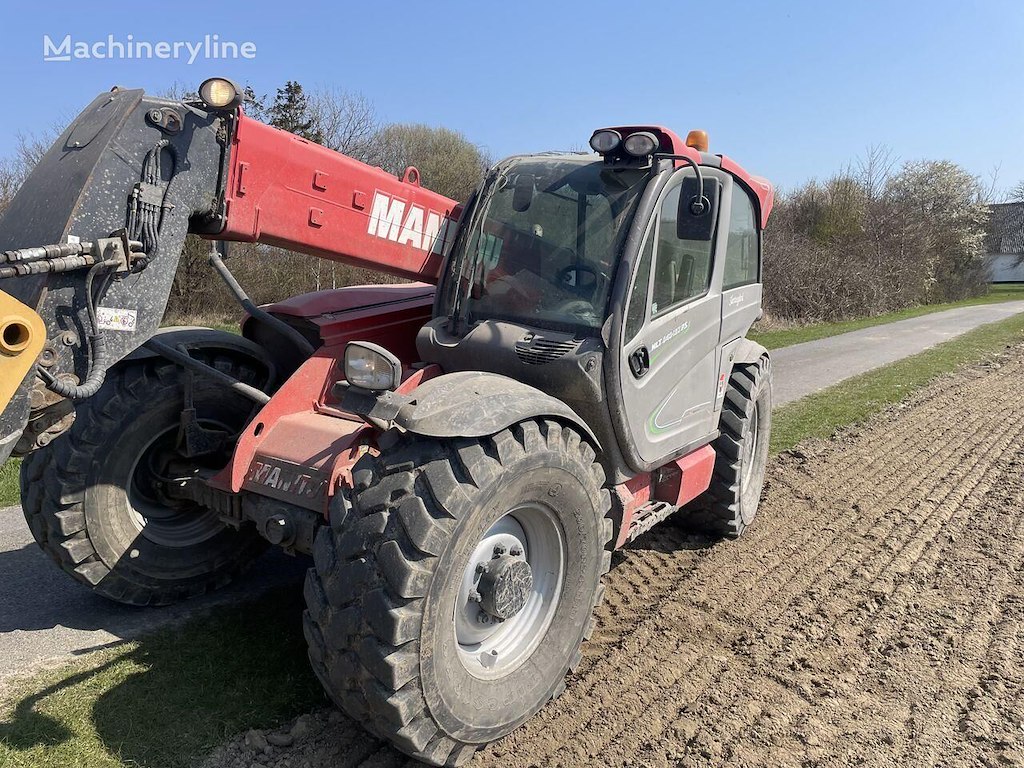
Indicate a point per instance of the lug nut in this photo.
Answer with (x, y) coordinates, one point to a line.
(483, 618)
(516, 550)
(481, 567)
(474, 596)
(499, 550)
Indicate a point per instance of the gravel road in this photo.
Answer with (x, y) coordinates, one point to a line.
(44, 615)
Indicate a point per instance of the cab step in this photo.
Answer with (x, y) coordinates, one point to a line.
(648, 516)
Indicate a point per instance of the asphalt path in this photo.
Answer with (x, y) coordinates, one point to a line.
(45, 616)
(803, 369)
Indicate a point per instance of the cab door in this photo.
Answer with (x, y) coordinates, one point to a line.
(741, 266)
(670, 333)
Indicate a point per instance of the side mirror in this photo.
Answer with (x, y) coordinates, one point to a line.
(523, 192)
(696, 216)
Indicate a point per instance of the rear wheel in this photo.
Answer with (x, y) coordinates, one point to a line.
(741, 449)
(96, 497)
(452, 590)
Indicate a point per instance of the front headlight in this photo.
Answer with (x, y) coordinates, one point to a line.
(370, 366)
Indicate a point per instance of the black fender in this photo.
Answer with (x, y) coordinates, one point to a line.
(478, 404)
(195, 337)
(747, 351)
(741, 351)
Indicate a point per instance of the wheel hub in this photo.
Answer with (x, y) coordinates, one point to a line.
(505, 584)
(158, 514)
(509, 591)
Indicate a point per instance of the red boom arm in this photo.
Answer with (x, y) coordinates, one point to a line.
(286, 191)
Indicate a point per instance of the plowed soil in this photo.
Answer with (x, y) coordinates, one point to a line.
(873, 615)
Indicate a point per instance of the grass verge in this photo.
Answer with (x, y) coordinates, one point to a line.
(9, 491)
(785, 337)
(164, 700)
(168, 699)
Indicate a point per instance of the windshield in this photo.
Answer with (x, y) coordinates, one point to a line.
(543, 245)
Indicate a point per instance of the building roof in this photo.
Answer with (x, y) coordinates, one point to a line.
(1005, 228)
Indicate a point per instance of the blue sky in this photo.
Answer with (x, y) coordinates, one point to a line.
(791, 90)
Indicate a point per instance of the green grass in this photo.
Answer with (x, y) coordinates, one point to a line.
(164, 700)
(9, 493)
(784, 337)
(168, 699)
(856, 399)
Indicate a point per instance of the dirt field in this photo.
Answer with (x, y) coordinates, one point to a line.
(873, 616)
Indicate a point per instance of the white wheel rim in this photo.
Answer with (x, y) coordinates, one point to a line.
(491, 649)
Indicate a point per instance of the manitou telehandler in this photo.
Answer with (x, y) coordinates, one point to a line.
(460, 462)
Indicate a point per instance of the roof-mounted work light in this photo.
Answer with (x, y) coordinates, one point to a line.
(219, 93)
(605, 141)
(641, 144)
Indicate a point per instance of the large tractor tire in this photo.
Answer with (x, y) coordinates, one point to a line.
(453, 588)
(730, 503)
(94, 497)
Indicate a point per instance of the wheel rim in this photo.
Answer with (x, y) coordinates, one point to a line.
(750, 449)
(494, 582)
(159, 518)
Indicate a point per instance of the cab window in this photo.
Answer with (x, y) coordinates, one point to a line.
(637, 312)
(682, 267)
(742, 265)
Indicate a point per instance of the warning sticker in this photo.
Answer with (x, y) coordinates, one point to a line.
(115, 319)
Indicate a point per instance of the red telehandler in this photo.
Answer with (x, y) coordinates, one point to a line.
(460, 455)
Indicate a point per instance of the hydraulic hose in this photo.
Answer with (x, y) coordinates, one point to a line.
(93, 382)
(97, 347)
(151, 201)
(185, 360)
(243, 298)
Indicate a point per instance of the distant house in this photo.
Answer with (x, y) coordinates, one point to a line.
(1004, 243)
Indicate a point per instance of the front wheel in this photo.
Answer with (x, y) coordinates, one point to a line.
(450, 594)
(96, 497)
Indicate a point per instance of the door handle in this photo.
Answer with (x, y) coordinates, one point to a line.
(639, 362)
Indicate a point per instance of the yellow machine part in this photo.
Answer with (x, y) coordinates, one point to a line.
(22, 336)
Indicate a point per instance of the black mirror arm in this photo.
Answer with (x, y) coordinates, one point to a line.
(698, 206)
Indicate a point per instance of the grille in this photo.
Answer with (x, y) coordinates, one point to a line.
(538, 351)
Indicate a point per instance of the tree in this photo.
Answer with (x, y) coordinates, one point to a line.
(873, 239)
(941, 210)
(448, 162)
(10, 181)
(290, 112)
(255, 106)
(28, 152)
(345, 122)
